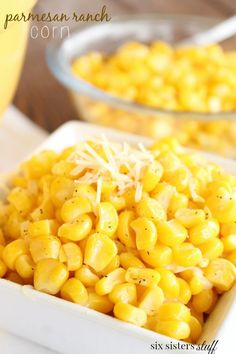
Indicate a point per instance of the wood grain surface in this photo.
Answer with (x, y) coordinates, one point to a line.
(41, 97)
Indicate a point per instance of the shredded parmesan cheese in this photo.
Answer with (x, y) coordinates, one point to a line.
(94, 167)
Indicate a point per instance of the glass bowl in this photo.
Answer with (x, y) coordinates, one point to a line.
(215, 132)
(13, 41)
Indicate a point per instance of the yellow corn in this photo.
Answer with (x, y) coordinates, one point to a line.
(61, 189)
(229, 243)
(159, 256)
(42, 228)
(42, 247)
(130, 313)
(75, 207)
(99, 303)
(150, 208)
(77, 229)
(21, 200)
(3, 269)
(221, 273)
(174, 311)
(107, 219)
(204, 232)
(128, 259)
(184, 291)
(152, 176)
(74, 290)
(99, 251)
(86, 276)
(50, 275)
(195, 329)
(146, 233)
(190, 217)
(13, 250)
(151, 300)
(168, 283)
(173, 328)
(124, 231)
(25, 266)
(112, 265)
(187, 255)
(142, 276)
(71, 255)
(125, 293)
(202, 302)
(106, 284)
(212, 249)
(171, 232)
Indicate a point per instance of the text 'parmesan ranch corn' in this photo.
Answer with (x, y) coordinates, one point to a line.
(143, 234)
(188, 79)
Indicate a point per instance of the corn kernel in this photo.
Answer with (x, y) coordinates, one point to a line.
(73, 290)
(107, 219)
(50, 275)
(204, 232)
(229, 242)
(152, 176)
(3, 269)
(112, 265)
(13, 250)
(61, 189)
(171, 232)
(75, 207)
(184, 291)
(190, 217)
(159, 256)
(168, 283)
(77, 229)
(195, 329)
(124, 231)
(187, 255)
(42, 228)
(71, 255)
(202, 302)
(174, 311)
(99, 251)
(146, 233)
(151, 300)
(212, 249)
(42, 247)
(130, 313)
(150, 208)
(142, 276)
(86, 276)
(221, 273)
(125, 293)
(128, 259)
(99, 303)
(106, 284)
(174, 329)
(25, 266)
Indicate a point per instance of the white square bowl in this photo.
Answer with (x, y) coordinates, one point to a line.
(72, 329)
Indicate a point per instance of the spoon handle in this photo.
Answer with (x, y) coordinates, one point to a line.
(216, 34)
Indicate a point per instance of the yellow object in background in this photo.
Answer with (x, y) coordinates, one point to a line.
(13, 42)
(171, 82)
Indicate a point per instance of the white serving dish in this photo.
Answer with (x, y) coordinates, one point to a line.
(72, 329)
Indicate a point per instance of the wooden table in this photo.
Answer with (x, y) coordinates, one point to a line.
(41, 97)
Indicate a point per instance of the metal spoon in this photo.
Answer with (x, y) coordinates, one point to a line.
(216, 34)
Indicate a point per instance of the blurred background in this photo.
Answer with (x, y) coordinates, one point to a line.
(41, 97)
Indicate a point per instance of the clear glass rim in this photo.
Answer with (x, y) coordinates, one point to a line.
(61, 68)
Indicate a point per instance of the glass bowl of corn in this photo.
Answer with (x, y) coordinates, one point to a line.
(129, 74)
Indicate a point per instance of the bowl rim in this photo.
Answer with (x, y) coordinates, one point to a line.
(61, 69)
